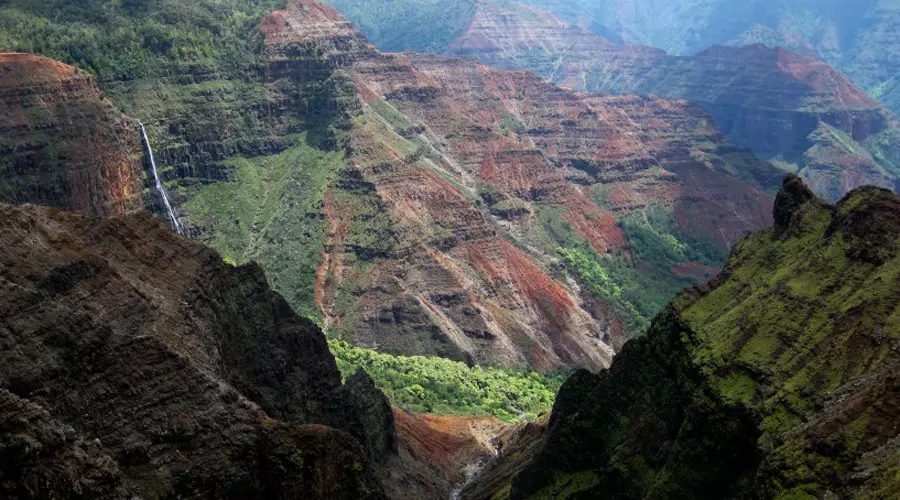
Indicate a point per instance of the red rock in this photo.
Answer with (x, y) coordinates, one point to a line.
(62, 143)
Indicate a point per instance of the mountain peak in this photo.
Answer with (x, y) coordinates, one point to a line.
(793, 194)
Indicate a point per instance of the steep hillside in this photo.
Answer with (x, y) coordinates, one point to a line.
(193, 72)
(463, 183)
(417, 204)
(791, 109)
(62, 143)
(778, 379)
(135, 362)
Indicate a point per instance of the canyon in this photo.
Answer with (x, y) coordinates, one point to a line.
(461, 162)
(778, 378)
(860, 39)
(790, 109)
(323, 206)
(426, 205)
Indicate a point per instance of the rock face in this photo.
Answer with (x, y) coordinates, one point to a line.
(439, 455)
(778, 378)
(135, 362)
(62, 143)
(789, 108)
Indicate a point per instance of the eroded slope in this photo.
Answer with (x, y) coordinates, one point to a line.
(789, 108)
(62, 143)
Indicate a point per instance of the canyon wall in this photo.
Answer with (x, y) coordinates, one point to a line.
(421, 204)
(62, 143)
(788, 108)
(140, 363)
(777, 378)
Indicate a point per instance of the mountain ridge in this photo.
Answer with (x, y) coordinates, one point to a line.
(791, 109)
(410, 215)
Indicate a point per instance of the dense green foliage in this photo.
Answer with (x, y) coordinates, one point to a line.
(438, 385)
(657, 240)
(127, 39)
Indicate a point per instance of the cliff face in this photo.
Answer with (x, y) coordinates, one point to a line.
(789, 108)
(62, 143)
(137, 362)
(778, 378)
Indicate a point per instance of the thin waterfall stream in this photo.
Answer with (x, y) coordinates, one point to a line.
(159, 185)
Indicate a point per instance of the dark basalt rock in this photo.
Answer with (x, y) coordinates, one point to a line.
(134, 362)
(793, 195)
(368, 415)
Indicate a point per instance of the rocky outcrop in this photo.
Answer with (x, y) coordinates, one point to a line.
(790, 108)
(62, 143)
(778, 378)
(135, 362)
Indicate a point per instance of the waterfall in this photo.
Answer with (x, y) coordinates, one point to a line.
(159, 185)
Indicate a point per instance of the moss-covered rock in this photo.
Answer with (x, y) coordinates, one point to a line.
(778, 379)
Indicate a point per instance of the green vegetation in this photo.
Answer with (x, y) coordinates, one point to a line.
(128, 39)
(438, 385)
(511, 124)
(268, 211)
(657, 240)
(639, 286)
(768, 384)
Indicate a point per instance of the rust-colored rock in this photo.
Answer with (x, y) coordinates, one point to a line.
(62, 143)
(439, 455)
(450, 163)
(790, 108)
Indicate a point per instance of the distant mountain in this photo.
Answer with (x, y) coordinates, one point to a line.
(778, 379)
(860, 38)
(791, 109)
(418, 204)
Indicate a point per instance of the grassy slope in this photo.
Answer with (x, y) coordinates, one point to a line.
(268, 213)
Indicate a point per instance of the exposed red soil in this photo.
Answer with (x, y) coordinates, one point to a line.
(519, 140)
